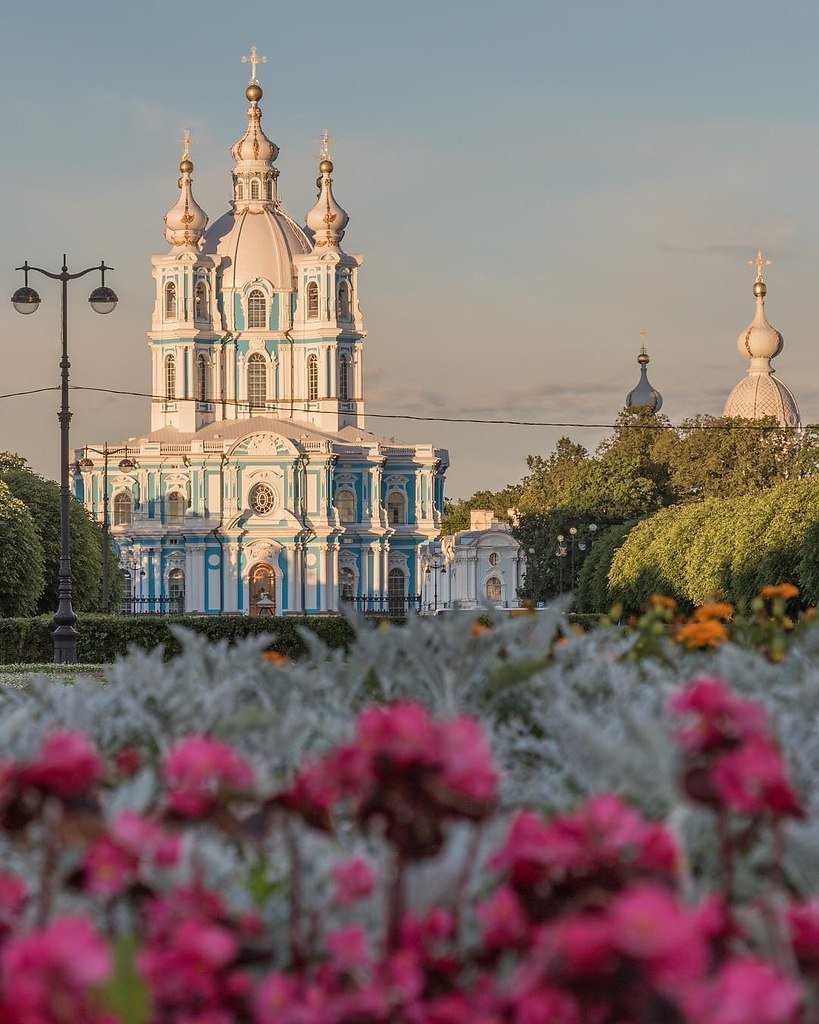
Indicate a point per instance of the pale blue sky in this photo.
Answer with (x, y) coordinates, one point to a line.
(530, 184)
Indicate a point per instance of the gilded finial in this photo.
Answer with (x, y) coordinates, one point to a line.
(186, 165)
(326, 164)
(760, 288)
(254, 90)
(642, 358)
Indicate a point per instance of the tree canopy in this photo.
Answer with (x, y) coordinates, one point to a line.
(21, 557)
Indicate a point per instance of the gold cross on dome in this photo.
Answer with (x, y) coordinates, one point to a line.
(643, 336)
(759, 263)
(324, 152)
(186, 141)
(253, 60)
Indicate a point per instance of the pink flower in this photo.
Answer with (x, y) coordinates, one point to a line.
(468, 767)
(403, 734)
(67, 765)
(109, 869)
(355, 880)
(714, 717)
(145, 839)
(348, 948)
(198, 770)
(747, 991)
(753, 779)
(803, 922)
(46, 974)
(503, 920)
(187, 966)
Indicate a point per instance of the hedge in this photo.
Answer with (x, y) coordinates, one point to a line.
(103, 637)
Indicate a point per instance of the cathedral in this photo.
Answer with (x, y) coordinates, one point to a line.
(258, 489)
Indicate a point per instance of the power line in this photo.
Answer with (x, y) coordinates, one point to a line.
(481, 421)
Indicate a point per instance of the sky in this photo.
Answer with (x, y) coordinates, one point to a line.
(530, 183)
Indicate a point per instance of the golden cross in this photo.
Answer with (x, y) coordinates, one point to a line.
(324, 152)
(759, 263)
(253, 60)
(186, 141)
(643, 336)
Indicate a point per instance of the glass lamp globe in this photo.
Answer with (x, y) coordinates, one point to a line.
(103, 299)
(25, 300)
(86, 463)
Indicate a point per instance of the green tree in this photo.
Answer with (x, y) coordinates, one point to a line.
(545, 487)
(42, 498)
(612, 488)
(593, 593)
(456, 513)
(22, 575)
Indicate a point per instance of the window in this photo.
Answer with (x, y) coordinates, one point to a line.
(127, 606)
(312, 378)
(123, 508)
(263, 499)
(170, 377)
(346, 584)
(494, 591)
(343, 378)
(255, 189)
(345, 505)
(170, 301)
(312, 301)
(200, 306)
(201, 378)
(268, 188)
(256, 309)
(175, 509)
(494, 558)
(257, 381)
(176, 591)
(240, 189)
(344, 305)
(396, 591)
(262, 590)
(396, 508)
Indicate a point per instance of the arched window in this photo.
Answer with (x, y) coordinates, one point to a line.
(396, 591)
(312, 301)
(312, 378)
(256, 381)
(345, 505)
(176, 591)
(170, 377)
(240, 189)
(396, 508)
(494, 590)
(255, 189)
(346, 584)
(175, 509)
(343, 378)
(123, 508)
(200, 302)
(201, 378)
(345, 306)
(127, 606)
(268, 188)
(256, 309)
(170, 301)
(262, 586)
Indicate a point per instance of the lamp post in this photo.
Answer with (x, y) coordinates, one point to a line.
(124, 464)
(102, 300)
(434, 568)
(560, 553)
(577, 542)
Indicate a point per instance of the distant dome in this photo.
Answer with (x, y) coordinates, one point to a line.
(259, 245)
(760, 395)
(644, 396)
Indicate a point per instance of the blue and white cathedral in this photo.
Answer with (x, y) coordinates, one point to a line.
(258, 488)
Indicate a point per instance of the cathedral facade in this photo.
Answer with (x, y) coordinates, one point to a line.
(258, 489)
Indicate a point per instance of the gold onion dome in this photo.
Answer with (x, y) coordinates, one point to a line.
(327, 220)
(186, 221)
(644, 396)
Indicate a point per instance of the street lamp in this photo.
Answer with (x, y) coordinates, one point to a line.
(102, 300)
(125, 465)
(435, 567)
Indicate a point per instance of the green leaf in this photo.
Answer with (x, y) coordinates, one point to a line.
(125, 994)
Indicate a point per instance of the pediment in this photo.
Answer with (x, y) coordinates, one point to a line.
(263, 443)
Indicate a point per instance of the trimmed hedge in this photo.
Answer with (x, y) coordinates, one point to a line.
(103, 637)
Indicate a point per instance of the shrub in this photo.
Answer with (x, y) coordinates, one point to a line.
(592, 594)
(21, 557)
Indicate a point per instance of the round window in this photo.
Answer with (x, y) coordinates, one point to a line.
(263, 499)
(494, 558)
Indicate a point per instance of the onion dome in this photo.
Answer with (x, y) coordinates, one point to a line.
(326, 221)
(644, 396)
(761, 394)
(186, 221)
(256, 235)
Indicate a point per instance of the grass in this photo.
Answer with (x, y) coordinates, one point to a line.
(17, 675)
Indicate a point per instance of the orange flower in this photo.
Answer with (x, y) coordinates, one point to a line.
(710, 633)
(785, 590)
(477, 628)
(275, 657)
(714, 610)
(659, 601)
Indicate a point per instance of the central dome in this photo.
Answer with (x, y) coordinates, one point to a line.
(258, 245)
(759, 395)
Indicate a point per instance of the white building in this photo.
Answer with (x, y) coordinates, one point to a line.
(474, 567)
